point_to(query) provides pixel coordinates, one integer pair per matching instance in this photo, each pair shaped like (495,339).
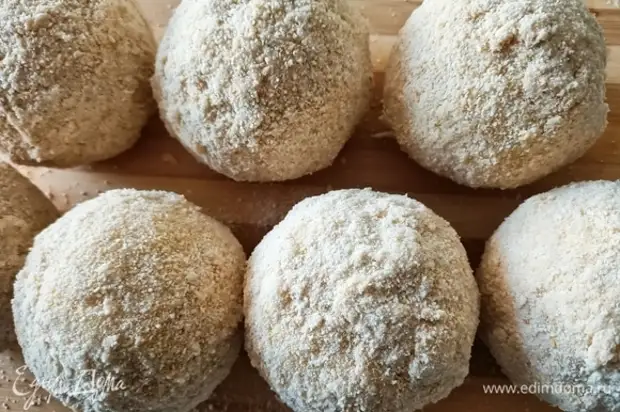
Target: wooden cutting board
(371,159)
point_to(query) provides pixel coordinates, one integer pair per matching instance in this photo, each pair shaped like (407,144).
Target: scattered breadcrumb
(382,135)
(168,158)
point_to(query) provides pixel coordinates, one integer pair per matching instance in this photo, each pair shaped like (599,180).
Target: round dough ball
(264,90)
(369,305)
(24,212)
(74,79)
(497,93)
(549,284)
(139,288)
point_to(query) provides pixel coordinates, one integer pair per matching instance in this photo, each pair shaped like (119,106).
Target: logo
(87,383)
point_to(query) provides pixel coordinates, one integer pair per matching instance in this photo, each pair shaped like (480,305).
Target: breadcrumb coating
(360,301)
(549,285)
(137,286)
(497,93)
(74,79)
(24,212)
(264,90)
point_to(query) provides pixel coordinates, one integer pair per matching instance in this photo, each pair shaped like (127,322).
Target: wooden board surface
(370,159)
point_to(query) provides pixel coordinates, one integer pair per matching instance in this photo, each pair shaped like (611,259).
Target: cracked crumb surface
(360,301)
(495,93)
(549,285)
(24,212)
(139,286)
(74,79)
(266,90)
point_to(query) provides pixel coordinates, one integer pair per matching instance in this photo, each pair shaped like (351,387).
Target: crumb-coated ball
(361,301)
(74,79)
(550,287)
(24,212)
(136,287)
(497,93)
(264,90)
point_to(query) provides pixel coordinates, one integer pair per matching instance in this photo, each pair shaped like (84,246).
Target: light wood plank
(245,391)
(158,162)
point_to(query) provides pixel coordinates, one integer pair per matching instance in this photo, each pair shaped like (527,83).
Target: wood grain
(370,159)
